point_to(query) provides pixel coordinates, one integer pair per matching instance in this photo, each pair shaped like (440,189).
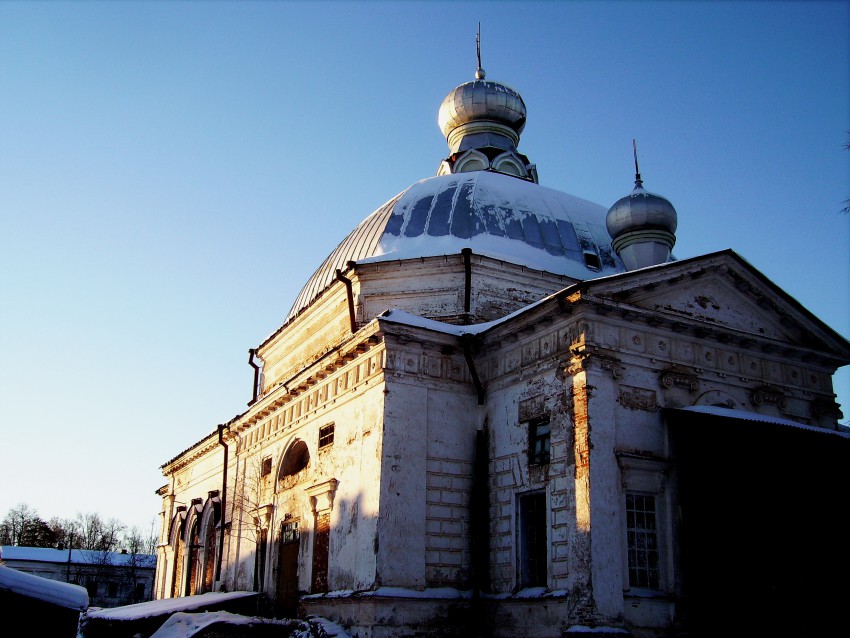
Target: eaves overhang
(703,413)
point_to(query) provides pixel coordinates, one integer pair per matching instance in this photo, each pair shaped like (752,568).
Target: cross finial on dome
(479,73)
(638,180)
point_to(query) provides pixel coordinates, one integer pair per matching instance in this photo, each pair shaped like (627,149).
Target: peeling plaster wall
(434,287)
(429,449)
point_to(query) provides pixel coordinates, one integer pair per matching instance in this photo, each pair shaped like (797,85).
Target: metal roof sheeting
(493,214)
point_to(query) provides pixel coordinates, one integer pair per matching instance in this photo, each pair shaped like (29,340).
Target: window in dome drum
(591,260)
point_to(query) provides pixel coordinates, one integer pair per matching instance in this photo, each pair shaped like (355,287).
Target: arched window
(472,160)
(177,545)
(297,457)
(509,164)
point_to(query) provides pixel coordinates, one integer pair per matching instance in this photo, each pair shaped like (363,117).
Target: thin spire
(479,74)
(638,180)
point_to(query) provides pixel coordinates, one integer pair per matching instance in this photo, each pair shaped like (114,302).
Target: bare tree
(253,494)
(136,554)
(24,527)
(93,532)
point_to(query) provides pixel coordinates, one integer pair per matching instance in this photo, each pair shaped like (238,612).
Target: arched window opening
(193,559)
(297,457)
(177,545)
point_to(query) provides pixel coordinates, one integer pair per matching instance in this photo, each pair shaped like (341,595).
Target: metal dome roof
(496,215)
(482,100)
(641,209)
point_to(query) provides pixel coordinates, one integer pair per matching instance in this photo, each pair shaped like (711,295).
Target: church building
(497,409)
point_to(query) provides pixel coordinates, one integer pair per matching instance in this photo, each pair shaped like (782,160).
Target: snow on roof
(492,214)
(164,606)
(743,415)
(185,625)
(50,591)
(402,317)
(77,556)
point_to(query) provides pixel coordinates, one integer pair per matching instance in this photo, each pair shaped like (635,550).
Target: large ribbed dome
(493,214)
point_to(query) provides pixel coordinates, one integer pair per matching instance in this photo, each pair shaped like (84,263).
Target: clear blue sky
(171,174)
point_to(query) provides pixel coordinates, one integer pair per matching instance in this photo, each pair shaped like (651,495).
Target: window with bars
(289,532)
(326,435)
(538,441)
(642,540)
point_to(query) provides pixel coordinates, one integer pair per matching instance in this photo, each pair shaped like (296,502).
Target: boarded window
(320,553)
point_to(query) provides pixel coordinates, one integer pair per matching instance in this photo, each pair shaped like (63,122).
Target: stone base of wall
(368,615)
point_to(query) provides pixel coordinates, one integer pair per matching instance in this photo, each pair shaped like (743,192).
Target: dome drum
(507,162)
(645,247)
(481,135)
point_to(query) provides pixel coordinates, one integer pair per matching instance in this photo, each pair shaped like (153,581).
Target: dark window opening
(260,564)
(267,466)
(113,590)
(642,539)
(326,435)
(296,459)
(538,441)
(591,260)
(139,594)
(532,540)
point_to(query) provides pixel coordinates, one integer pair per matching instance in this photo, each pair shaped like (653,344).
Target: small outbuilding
(51,606)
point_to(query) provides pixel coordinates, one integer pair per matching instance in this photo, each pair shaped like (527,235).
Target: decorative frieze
(638,398)
(673,377)
(768,395)
(825,408)
(531,408)
(584,359)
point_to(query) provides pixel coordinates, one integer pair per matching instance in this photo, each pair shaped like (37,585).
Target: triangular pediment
(721,293)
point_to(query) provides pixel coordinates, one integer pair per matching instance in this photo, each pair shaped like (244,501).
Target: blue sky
(171,173)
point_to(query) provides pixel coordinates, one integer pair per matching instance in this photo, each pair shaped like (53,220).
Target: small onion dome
(642,226)
(482,107)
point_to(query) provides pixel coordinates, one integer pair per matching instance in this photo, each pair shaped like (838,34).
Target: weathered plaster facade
(503,452)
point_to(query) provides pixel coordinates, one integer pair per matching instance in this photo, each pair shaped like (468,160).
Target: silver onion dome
(482,107)
(642,226)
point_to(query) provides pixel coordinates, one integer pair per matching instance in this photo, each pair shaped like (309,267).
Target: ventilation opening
(591,260)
